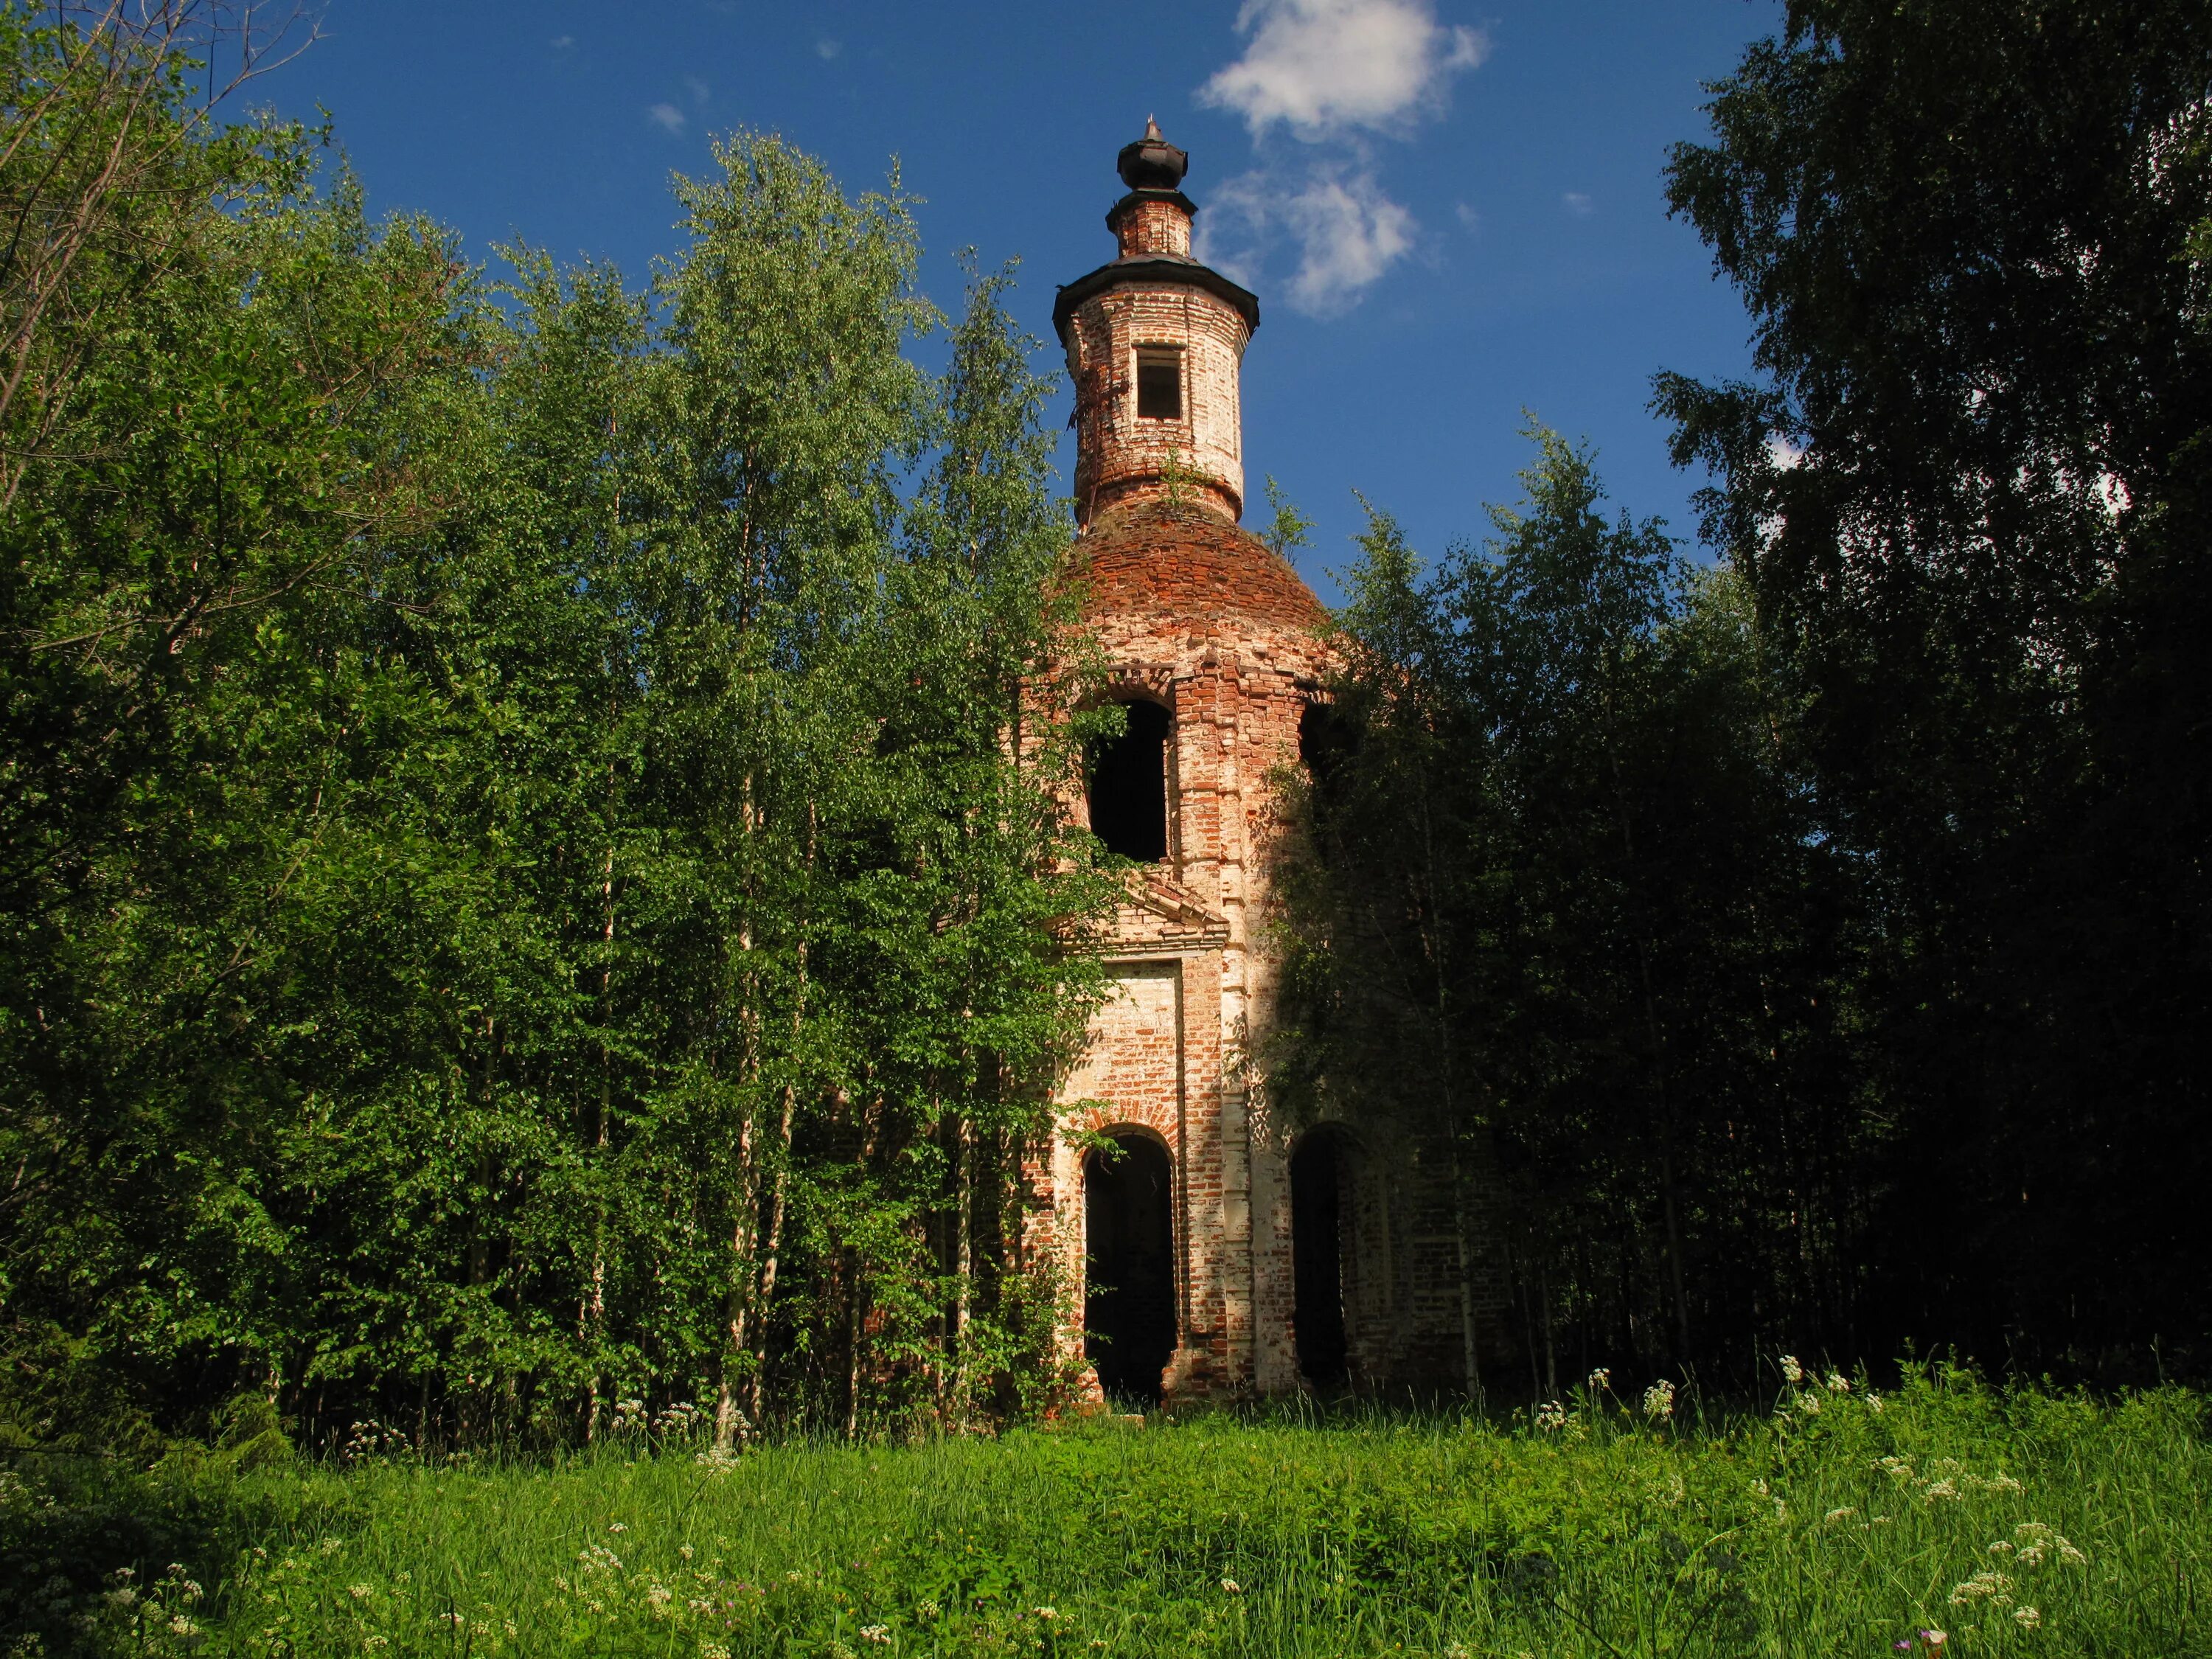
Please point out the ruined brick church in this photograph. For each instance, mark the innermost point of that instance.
(1216, 1251)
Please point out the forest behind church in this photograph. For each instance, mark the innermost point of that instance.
(522, 913)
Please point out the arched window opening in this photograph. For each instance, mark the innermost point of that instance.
(1323, 740)
(1129, 786)
(1318, 1184)
(1129, 1300)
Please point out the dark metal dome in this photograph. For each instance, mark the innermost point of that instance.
(1151, 163)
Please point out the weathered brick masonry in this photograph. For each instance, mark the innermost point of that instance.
(1198, 616)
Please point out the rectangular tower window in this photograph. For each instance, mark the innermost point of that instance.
(1160, 385)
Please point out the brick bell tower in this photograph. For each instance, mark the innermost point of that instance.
(1177, 1242)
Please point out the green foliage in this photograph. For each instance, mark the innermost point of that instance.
(1812, 939)
(1966, 498)
(1551, 902)
(520, 896)
(1288, 530)
(2014, 1521)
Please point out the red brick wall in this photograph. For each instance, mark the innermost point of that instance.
(1153, 226)
(1121, 456)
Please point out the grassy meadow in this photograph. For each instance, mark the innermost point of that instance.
(1945, 1518)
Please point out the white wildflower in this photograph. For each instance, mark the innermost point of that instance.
(1231, 1587)
(880, 1634)
(1834, 1516)
(359, 1592)
(1659, 1400)
(1944, 1488)
(1792, 1372)
(1551, 1415)
(1995, 1587)
(1838, 1383)
(2027, 1617)
(1601, 1380)
(180, 1625)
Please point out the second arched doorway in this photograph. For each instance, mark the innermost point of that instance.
(1129, 1301)
(1320, 1183)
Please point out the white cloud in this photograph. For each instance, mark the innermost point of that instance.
(1576, 203)
(1326, 66)
(1335, 72)
(1468, 218)
(825, 49)
(696, 88)
(562, 42)
(668, 116)
(1783, 452)
(1348, 233)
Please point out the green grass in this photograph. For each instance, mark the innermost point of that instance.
(1844, 1529)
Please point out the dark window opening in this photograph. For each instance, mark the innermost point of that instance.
(1317, 1258)
(1159, 386)
(1323, 740)
(1129, 786)
(1128, 1299)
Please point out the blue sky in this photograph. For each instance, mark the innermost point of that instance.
(1450, 212)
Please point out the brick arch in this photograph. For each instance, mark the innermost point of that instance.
(1127, 680)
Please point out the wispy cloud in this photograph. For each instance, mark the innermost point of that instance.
(1576, 203)
(825, 48)
(1347, 231)
(667, 116)
(1343, 73)
(696, 88)
(1321, 67)
(562, 42)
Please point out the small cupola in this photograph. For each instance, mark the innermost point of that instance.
(1155, 344)
(1154, 217)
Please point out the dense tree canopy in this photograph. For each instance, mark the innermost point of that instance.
(1968, 495)
(518, 896)
(1824, 941)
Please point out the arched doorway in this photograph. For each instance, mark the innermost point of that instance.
(1129, 785)
(1318, 1168)
(1129, 1300)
